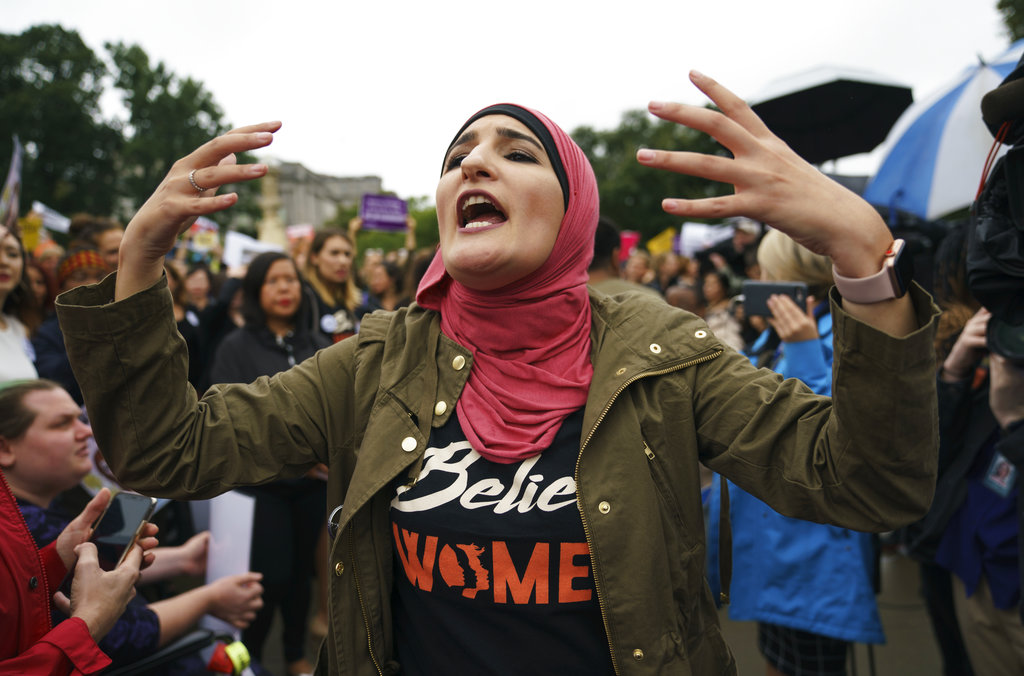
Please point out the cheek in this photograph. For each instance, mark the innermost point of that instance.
(444, 199)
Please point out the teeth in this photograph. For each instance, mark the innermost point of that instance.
(476, 199)
(468, 210)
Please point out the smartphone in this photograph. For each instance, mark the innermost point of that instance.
(755, 295)
(119, 527)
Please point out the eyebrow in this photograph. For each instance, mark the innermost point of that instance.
(513, 134)
(470, 136)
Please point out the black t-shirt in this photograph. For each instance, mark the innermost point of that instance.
(492, 568)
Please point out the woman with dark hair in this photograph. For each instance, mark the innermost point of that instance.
(199, 284)
(515, 461)
(718, 311)
(188, 325)
(43, 286)
(330, 276)
(289, 512)
(19, 313)
(384, 289)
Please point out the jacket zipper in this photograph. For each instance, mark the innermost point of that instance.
(362, 607)
(601, 602)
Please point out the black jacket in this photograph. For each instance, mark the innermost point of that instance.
(247, 353)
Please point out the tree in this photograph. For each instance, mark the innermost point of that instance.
(1013, 17)
(168, 117)
(75, 160)
(631, 194)
(50, 88)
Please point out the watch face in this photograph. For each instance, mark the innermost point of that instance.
(900, 266)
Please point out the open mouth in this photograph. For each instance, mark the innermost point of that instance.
(480, 211)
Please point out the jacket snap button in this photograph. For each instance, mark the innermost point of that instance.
(701, 334)
(408, 444)
(620, 371)
(604, 507)
(459, 362)
(33, 582)
(655, 348)
(440, 407)
(638, 654)
(339, 568)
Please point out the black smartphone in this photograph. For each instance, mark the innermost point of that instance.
(755, 295)
(119, 527)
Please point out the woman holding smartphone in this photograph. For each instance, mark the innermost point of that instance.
(809, 586)
(50, 455)
(29, 576)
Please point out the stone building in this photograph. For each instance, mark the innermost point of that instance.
(308, 197)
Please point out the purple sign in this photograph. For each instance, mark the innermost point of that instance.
(383, 212)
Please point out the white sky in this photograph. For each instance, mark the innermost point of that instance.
(379, 88)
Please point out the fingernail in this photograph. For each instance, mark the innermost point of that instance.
(696, 75)
(669, 205)
(645, 155)
(655, 105)
(264, 137)
(257, 169)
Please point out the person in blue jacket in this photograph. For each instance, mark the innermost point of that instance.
(808, 585)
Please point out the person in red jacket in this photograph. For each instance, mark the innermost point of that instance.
(30, 577)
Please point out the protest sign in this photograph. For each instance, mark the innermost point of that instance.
(383, 212)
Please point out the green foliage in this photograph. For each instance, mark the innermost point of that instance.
(168, 118)
(1013, 17)
(51, 84)
(420, 209)
(50, 87)
(631, 194)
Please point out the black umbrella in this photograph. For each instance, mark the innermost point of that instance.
(827, 112)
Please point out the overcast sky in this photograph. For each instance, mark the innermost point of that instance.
(379, 88)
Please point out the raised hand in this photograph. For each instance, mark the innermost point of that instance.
(188, 191)
(792, 323)
(969, 348)
(772, 183)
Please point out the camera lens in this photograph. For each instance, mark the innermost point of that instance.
(1006, 339)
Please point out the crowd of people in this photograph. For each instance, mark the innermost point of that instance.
(238, 323)
(412, 424)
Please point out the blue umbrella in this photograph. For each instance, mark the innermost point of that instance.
(936, 151)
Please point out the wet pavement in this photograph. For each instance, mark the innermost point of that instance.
(910, 648)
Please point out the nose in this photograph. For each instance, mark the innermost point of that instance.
(84, 430)
(477, 163)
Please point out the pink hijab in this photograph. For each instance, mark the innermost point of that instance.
(530, 339)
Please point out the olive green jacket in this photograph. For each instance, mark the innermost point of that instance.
(665, 396)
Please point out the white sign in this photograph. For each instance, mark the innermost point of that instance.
(239, 249)
(231, 519)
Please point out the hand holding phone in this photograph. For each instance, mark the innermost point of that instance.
(120, 526)
(756, 294)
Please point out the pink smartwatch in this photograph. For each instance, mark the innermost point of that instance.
(888, 283)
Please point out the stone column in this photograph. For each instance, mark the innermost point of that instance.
(270, 229)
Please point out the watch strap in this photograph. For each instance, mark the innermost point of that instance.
(874, 289)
